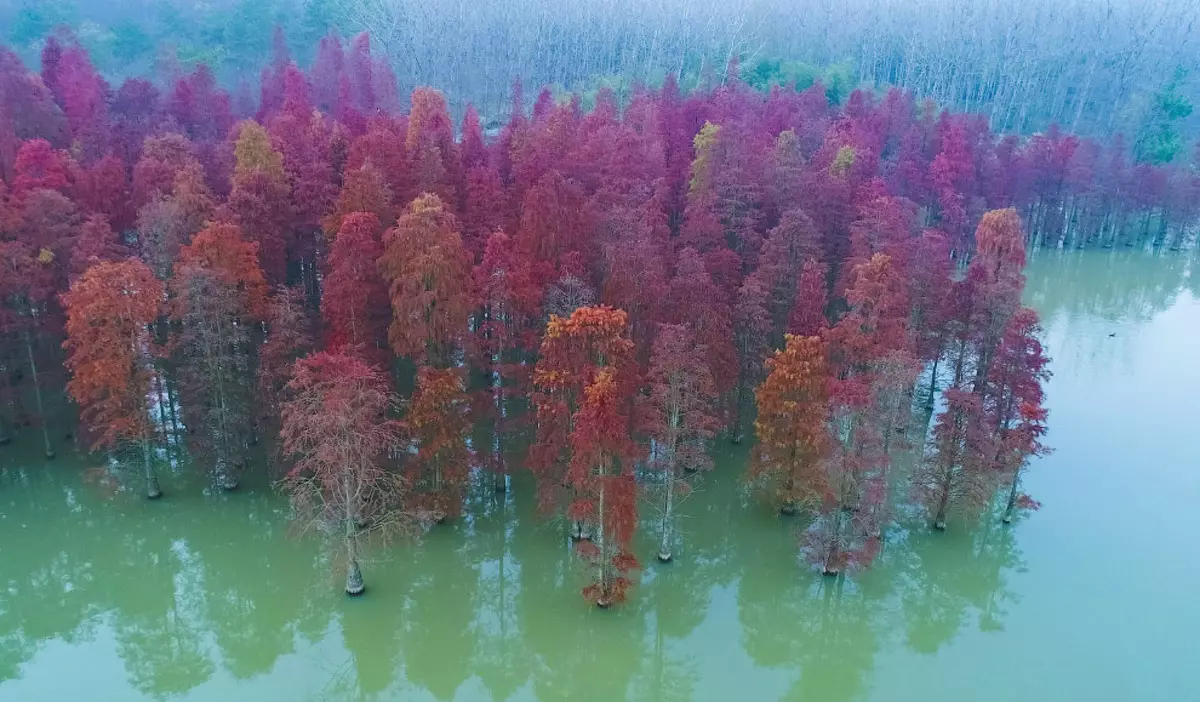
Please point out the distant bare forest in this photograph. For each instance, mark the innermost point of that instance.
(1096, 67)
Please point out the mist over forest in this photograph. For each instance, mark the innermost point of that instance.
(1097, 68)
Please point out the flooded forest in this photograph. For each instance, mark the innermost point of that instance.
(385, 350)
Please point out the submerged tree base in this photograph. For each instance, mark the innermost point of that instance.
(354, 580)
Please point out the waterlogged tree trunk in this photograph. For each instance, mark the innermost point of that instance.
(603, 601)
(833, 552)
(1012, 497)
(37, 394)
(224, 471)
(664, 547)
(939, 520)
(354, 578)
(500, 475)
(172, 411)
(788, 508)
(153, 492)
(834, 548)
(929, 402)
(736, 433)
(160, 392)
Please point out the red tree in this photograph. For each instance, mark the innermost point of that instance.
(432, 153)
(39, 166)
(289, 336)
(428, 274)
(441, 428)
(865, 347)
(218, 291)
(109, 312)
(363, 191)
(808, 312)
(751, 332)
(696, 301)
(504, 335)
(260, 200)
(954, 476)
(355, 303)
(601, 473)
(574, 350)
(788, 463)
(996, 271)
(1013, 403)
(678, 414)
(336, 426)
(96, 242)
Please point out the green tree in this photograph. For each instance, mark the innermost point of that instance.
(1159, 140)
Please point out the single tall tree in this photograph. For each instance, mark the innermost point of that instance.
(954, 476)
(602, 476)
(1013, 403)
(354, 303)
(793, 426)
(428, 274)
(335, 424)
(678, 415)
(109, 312)
(441, 427)
(218, 291)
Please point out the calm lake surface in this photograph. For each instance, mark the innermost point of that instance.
(201, 597)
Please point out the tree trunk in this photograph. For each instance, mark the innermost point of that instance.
(932, 384)
(354, 578)
(735, 426)
(226, 475)
(664, 546)
(37, 394)
(603, 601)
(788, 508)
(1012, 497)
(939, 520)
(153, 492)
(833, 551)
(171, 406)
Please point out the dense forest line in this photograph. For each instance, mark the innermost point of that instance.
(615, 288)
(1097, 68)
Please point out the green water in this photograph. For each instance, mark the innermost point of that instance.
(207, 597)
